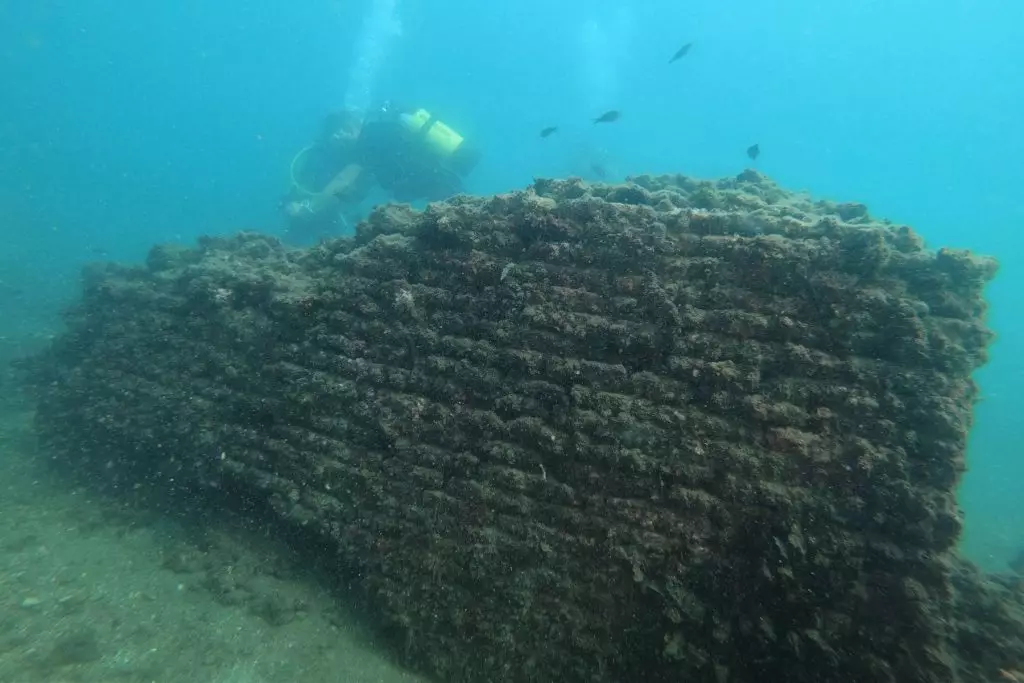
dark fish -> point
(607, 117)
(599, 170)
(681, 52)
(548, 131)
(753, 151)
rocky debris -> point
(667, 430)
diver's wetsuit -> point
(402, 163)
(340, 171)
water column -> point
(605, 40)
(381, 26)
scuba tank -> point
(438, 136)
(440, 139)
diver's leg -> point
(350, 185)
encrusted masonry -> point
(668, 430)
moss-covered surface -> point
(669, 430)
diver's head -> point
(343, 127)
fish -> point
(548, 131)
(599, 170)
(608, 117)
(753, 151)
(680, 53)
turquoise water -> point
(123, 125)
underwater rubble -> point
(660, 431)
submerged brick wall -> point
(670, 430)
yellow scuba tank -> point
(438, 136)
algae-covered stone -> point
(671, 430)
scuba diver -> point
(407, 153)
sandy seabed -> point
(93, 592)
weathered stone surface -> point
(663, 431)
